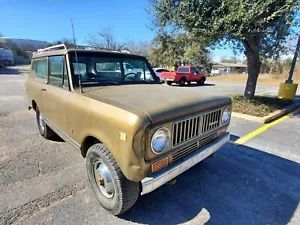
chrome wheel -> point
(104, 179)
(112, 189)
(41, 122)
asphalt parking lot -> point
(45, 182)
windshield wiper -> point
(99, 82)
(109, 83)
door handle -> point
(43, 89)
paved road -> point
(44, 182)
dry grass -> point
(271, 79)
(258, 106)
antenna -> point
(76, 58)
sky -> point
(50, 20)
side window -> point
(193, 70)
(40, 69)
(58, 73)
(183, 70)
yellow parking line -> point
(259, 130)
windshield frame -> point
(122, 57)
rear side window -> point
(183, 70)
(40, 69)
(194, 70)
(58, 73)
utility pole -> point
(290, 76)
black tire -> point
(169, 82)
(201, 82)
(182, 81)
(125, 192)
(44, 129)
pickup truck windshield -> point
(99, 70)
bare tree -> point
(104, 39)
(142, 48)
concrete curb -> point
(269, 118)
(279, 113)
(247, 117)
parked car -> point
(184, 74)
(158, 72)
(6, 57)
(135, 134)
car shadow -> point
(239, 185)
(193, 85)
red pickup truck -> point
(184, 74)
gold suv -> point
(135, 133)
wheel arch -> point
(87, 143)
(34, 105)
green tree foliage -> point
(169, 50)
(271, 66)
(259, 28)
(69, 43)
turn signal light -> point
(160, 164)
(221, 132)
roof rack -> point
(54, 47)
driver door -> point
(56, 93)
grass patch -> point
(258, 106)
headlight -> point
(226, 116)
(160, 140)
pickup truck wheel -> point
(113, 190)
(44, 129)
(169, 82)
(182, 81)
(201, 82)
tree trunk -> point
(253, 64)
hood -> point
(158, 102)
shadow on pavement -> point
(193, 85)
(240, 185)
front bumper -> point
(169, 79)
(159, 178)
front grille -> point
(196, 145)
(185, 130)
(211, 121)
(190, 128)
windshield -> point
(104, 70)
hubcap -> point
(41, 122)
(104, 179)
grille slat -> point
(191, 148)
(211, 121)
(195, 126)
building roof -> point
(235, 65)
